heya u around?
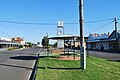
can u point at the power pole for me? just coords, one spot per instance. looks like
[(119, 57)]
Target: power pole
[(82, 48), (116, 27), (116, 34), (47, 45)]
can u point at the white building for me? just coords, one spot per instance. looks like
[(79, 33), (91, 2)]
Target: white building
[(60, 32)]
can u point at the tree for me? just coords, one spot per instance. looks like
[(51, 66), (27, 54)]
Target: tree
[(38, 43), (29, 44), (20, 46), (45, 42), (55, 44)]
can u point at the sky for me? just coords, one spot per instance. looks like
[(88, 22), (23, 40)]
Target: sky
[(52, 11)]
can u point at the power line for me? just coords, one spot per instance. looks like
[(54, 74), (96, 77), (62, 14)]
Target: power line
[(69, 23), (5, 33), (15, 22), (99, 20), (56, 24), (118, 25), (100, 27), (118, 19), (31, 23)]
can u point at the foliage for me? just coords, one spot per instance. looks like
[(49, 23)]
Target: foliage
[(55, 44), (11, 48), (45, 41), (20, 46), (29, 44), (38, 43), (97, 69)]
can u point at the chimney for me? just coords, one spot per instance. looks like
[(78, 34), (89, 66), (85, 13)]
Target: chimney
[(101, 34), (108, 33)]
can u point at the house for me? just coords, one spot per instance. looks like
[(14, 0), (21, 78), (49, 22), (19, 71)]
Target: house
[(104, 42), (18, 40), (115, 43)]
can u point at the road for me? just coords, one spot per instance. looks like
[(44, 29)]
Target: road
[(106, 55), (17, 64)]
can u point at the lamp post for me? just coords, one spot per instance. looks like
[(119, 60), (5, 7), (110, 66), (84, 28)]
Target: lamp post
[(82, 48)]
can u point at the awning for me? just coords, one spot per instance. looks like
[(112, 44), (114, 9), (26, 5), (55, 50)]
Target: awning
[(101, 40), (13, 43)]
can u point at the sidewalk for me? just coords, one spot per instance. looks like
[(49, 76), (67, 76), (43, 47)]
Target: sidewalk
[(3, 49)]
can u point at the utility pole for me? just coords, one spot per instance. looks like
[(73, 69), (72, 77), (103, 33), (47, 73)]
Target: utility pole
[(47, 45), (116, 27), (82, 48), (116, 34)]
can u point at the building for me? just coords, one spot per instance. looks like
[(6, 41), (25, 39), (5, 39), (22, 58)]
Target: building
[(70, 41), (18, 40), (6, 43), (60, 32), (104, 42)]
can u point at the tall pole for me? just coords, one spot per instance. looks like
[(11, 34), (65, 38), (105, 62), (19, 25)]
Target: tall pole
[(82, 48), (116, 34), (47, 45), (116, 27)]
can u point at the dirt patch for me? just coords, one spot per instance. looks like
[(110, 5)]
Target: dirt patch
[(57, 51), (68, 58)]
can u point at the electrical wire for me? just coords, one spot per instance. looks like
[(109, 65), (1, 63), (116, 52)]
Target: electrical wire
[(31, 23), (99, 20), (100, 27), (56, 24), (118, 26), (69, 23), (5, 33), (118, 19), (15, 22)]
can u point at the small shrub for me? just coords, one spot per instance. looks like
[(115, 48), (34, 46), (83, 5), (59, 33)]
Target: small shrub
[(21, 46), (11, 48)]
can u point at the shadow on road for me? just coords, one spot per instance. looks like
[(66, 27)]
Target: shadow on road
[(24, 57), (16, 66)]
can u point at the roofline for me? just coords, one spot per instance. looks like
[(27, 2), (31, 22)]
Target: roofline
[(64, 37)]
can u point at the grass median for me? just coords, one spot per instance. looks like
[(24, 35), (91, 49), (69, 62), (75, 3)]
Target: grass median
[(50, 68)]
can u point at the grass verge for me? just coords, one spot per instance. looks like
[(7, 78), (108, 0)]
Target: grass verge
[(97, 69)]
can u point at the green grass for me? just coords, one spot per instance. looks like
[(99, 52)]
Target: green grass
[(97, 69)]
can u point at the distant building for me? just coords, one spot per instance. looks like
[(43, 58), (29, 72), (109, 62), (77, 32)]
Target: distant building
[(6, 43), (60, 32), (70, 41), (104, 42), (18, 40)]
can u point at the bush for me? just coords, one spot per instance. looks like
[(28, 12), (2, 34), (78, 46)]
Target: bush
[(11, 48), (21, 46)]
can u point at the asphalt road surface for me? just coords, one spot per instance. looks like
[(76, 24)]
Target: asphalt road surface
[(106, 55), (17, 64)]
